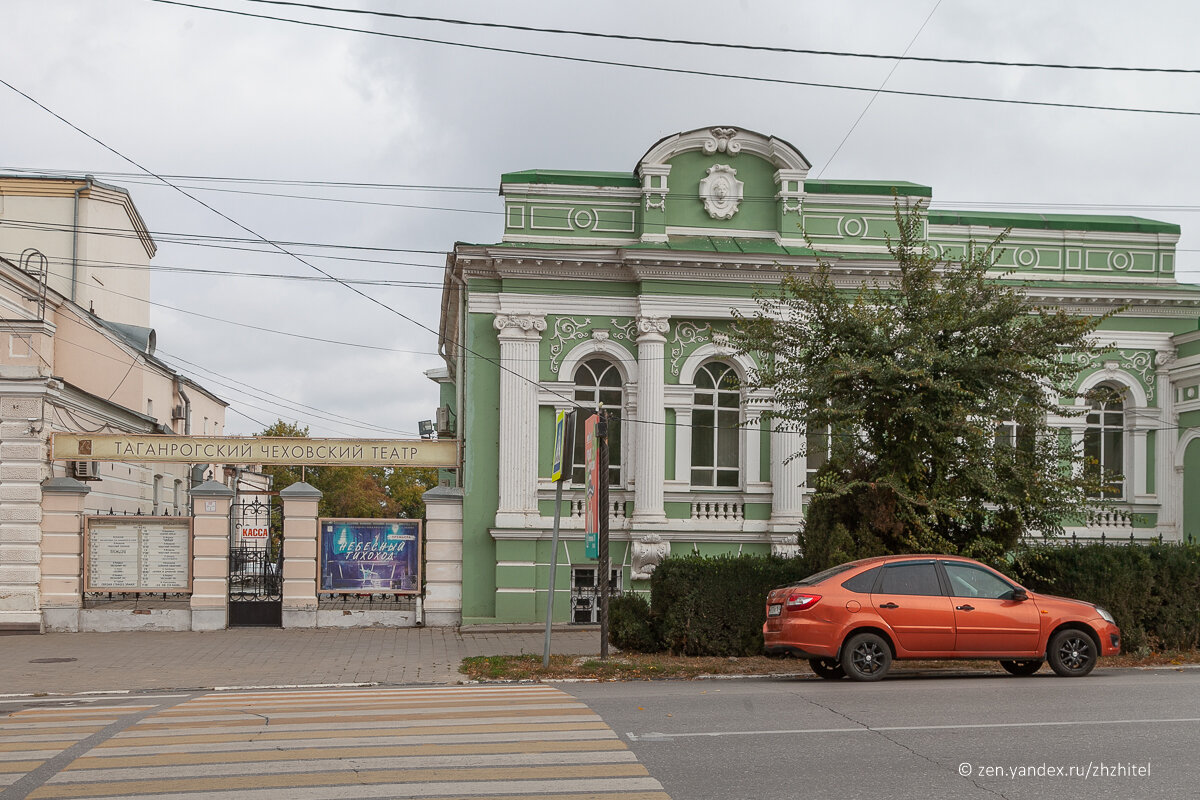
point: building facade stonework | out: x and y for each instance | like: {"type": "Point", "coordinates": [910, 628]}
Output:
{"type": "Point", "coordinates": [619, 288]}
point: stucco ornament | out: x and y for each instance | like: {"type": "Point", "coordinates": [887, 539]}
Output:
{"type": "Point", "coordinates": [648, 552]}
{"type": "Point", "coordinates": [721, 191]}
{"type": "Point", "coordinates": [722, 141]}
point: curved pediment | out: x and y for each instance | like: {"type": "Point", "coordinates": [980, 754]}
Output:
{"type": "Point", "coordinates": [729, 141]}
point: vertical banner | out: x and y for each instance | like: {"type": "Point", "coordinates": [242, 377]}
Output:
{"type": "Point", "coordinates": [591, 460]}
{"type": "Point", "coordinates": [560, 432]}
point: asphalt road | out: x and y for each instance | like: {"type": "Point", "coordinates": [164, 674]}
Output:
{"type": "Point", "coordinates": [1116, 734]}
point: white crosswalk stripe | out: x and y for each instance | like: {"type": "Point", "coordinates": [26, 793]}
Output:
{"type": "Point", "coordinates": [453, 743]}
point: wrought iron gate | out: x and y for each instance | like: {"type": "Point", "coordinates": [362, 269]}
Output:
{"type": "Point", "coordinates": [256, 561]}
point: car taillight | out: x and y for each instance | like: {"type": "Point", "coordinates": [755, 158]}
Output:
{"type": "Point", "coordinates": [798, 601]}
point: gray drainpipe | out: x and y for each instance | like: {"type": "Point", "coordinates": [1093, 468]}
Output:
{"type": "Point", "coordinates": [187, 407]}
{"type": "Point", "coordinates": [75, 236]}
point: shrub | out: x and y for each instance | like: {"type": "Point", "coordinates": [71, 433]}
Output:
{"type": "Point", "coordinates": [715, 606]}
{"type": "Point", "coordinates": [1153, 591]}
{"type": "Point", "coordinates": [630, 626]}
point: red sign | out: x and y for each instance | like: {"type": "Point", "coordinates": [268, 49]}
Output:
{"type": "Point", "coordinates": [591, 460]}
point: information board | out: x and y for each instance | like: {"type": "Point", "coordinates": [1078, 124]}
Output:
{"type": "Point", "coordinates": [137, 554]}
{"type": "Point", "coordinates": [365, 556]}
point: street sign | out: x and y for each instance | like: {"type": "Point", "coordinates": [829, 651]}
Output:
{"type": "Point", "coordinates": [560, 431]}
{"type": "Point", "coordinates": [591, 457]}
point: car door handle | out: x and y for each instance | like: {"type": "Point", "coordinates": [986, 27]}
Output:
{"type": "Point", "coordinates": [964, 608]}
{"type": "Point", "coordinates": [889, 605]}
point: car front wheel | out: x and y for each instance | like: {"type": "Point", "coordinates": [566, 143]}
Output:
{"type": "Point", "coordinates": [1022, 668]}
{"type": "Point", "coordinates": [1072, 653]}
{"type": "Point", "coordinates": [828, 668]}
{"type": "Point", "coordinates": [866, 657]}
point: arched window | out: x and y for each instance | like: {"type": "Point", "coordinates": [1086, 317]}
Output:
{"type": "Point", "coordinates": [1104, 440]}
{"type": "Point", "coordinates": [597, 382]}
{"type": "Point", "coordinates": [716, 414]}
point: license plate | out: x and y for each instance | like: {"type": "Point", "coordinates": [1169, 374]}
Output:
{"type": "Point", "coordinates": [775, 609]}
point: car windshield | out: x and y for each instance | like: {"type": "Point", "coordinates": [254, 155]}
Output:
{"type": "Point", "coordinates": [813, 580]}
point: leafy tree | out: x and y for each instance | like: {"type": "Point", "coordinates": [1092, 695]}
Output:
{"type": "Point", "coordinates": [912, 381]}
{"type": "Point", "coordinates": [352, 491]}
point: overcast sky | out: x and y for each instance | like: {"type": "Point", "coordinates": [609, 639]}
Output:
{"type": "Point", "coordinates": [185, 91]}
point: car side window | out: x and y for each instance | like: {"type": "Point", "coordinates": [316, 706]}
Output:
{"type": "Point", "coordinates": [863, 581]}
{"type": "Point", "coordinates": [969, 581]}
{"type": "Point", "coordinates": [919, 578]}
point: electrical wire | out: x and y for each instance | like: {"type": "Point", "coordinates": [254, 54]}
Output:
{"type": "Point", "coordinates": [875, 95]}
{"type": "Point", "coordinates": [457, 345]}
{"type": "Point", "coordinates": [731, 46]}
{"type": "Point", "coordinates": [692, 72]}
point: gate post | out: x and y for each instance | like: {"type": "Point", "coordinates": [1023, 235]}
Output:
{"type": "Point", "coordinates": [443, 556]}
{"type": "Point", "coordinates": [300, 555]}
{"type": "Point", "coordinates": [62, 553]}
{"type": "Point", "coordinates": [210, 556]}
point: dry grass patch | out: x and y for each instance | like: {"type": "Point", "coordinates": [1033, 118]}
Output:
{"type": "Point", "coordinates": [643, 667]}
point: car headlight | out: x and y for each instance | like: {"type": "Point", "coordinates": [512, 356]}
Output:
{"type": "Point", "coordinates": [1107, 617]}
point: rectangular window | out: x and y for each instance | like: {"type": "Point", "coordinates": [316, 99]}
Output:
{"type": "Point", "coordinates": [585, 594]}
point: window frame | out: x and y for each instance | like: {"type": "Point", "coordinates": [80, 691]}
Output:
{"type": "Point", "coordinates": [616, 460]}
{"type": "Point", "coordinates": [718, 371]}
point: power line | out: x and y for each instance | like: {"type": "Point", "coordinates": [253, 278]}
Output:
{"type": "Point", "coordinates": [875, 95]}
{"type": "Point", "coordinates": [694, 72]}
{"type": "Point", "coordinates": [459, 344]}
{"type": "Point", "coordinates": [731, 46]}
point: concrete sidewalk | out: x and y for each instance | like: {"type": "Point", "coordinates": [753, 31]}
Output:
{"type": "Point", "coordinates": [140, 660]}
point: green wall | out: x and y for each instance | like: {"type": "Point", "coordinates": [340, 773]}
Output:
{"type": "Point", "coordinates": [755, 213]}
{"type": "Point", "coordinates": [481, 447]}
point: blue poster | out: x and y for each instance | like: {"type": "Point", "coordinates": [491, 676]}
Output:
{"type": "Point", "coordinates": [371, 555]}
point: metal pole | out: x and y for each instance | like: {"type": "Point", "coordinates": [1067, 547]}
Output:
{"type": "Point", "coordinates": [602, 582]}
{"type": "Point", "coordinates": [553, 567]}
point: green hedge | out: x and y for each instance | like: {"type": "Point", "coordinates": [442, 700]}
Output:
{"type": "Point", "coordinates": [1153, 590]}
{"type": "Point", "coordinates": [715, 606]}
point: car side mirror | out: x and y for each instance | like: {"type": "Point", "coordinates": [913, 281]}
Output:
{"type": "Point", "coordinates": [1019, 595]}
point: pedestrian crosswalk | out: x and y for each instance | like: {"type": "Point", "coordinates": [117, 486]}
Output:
{"type": "Point", "coordinates": [529, 742]}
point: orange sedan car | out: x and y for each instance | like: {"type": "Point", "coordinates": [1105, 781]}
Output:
{"type": "Point", "coordinates": [855, 619]}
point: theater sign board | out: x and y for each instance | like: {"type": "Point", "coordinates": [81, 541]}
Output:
{"type": "Point", "coordinates": [254, 450]}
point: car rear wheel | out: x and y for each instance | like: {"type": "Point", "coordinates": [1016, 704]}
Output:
{"type": "Point", "coordinates": [1072, 653]}
{"type": "Point", "coordinates": [828, 668]}
{"type": "Point", "coordinates": [866, 657]}
{"type": "Point", "coordinates": [1022, 668]}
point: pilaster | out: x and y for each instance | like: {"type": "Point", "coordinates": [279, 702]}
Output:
{"type": "Point", "coordinates": [519, 336]}
{"type": "Point", "coordinates": [788, 467]}
{"type": "Point", "coordinates": [300, 501]}
{"type": "Point", "coordinates": [650, 437]}
{"type": "Point", "coordinates": [62, 553]}
{"type": "Point", "coordinates": [210, 556]}
{"type": "Point", "coordinates": [22, 468]}
{"type": "Point", "coordinates": [443, 557]}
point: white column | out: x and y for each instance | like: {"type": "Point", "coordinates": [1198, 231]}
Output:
{"type": "Point", "coordinates": [650, 436]}
{"type": "Point", "coordinates": [1165, 445]}
{"type": "Point", "coordinates": [520, 336]}
{"type": "Point", "coordinates": [786, 476]}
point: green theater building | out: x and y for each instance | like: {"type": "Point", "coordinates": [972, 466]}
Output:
{"type": "Point", "coordinates": [618, 288]}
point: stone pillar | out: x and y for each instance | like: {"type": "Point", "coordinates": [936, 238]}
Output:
{"type": "Point", "coordinates": [210, 556]}
{"type": "Point", "coordinates": [300, 555]}
{"type": "Point", "coordinates": [22, 468]}
{"type": "Point", "coordinates": [649, 438]}
{"type": "Point", "coordinates": [443, 557]}
{"type": "Point", "coordinates": [520, 336]}
{"type": "Point", "coordinates": [787, 512]}
{"type": "Point", "coordinates": [62, 553]}
{"type": "Point", "coordinates": [1166, 443]}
